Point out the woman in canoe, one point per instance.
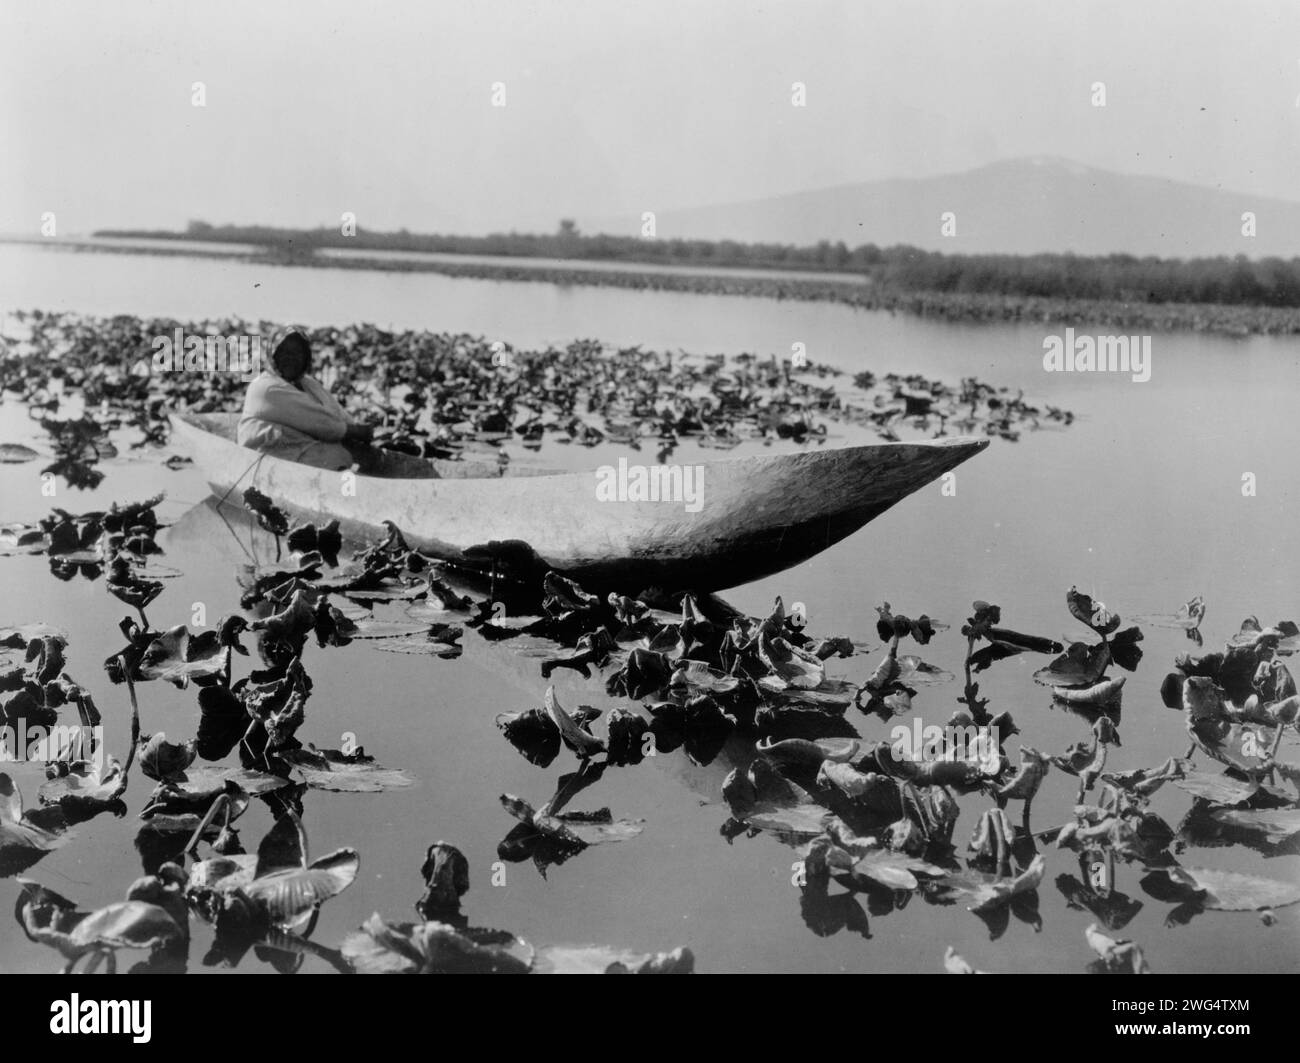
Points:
(289, 414)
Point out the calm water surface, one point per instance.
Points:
(1140, 503)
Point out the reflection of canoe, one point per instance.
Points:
(756, 515)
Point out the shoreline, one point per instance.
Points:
(1124, 316)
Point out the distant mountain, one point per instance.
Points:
(1019, 206)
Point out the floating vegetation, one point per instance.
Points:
(449, 397)
(869, 822)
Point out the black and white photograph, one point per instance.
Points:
(658, 487)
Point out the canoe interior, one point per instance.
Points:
(383, 464)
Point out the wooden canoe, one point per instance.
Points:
(758, 515)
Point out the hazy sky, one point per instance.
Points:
(384, 108)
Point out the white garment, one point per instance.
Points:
(303, 424)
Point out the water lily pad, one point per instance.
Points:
(126, 925)
(329, 769)
(1219, 789)
(1116, 956)
(85, 788)
(284, 897)
(1080, 665)
(16, 454)
(211, 779)
(601, 959)
(698, 675)
(1228, 891)
(380, 947)
(987, 892)
(577, 829)
(793, 666)
(23, 840)
(955, 964)
(1276, 824)
(576, 737)
(895, 871)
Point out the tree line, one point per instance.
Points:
(1119, 277)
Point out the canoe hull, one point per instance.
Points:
(756, 516)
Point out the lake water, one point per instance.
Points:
(1140, 502)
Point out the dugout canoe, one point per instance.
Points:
(757, 516)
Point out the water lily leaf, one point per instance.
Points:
(590, 828)
(179, 657)
(644, 673)
(160, 759)
(1106, 693)
(293, 623)
(808, 753)
(85, 788)
(432, 611)
(330, 769)
(126, 925)
(1283, 637)
(306, 537)
(795, 667)
(912, 671)
(379, 947)
(1276, 824)
(1187, 618)
(871, 790)
(576, 829)
(535, 735)
(1231, 743)
(1146, 781)
(285, 897)
(48, 918)
(432, 644)
(895, 871)
(23, 840)
(601, 959)
(987, 893)
(698, 675)
(17, 540)
(372, 628)
(16, 454)
(1228, 891)
(954, 964)
(765, 799)
(1124, 648)
(1116, 956)
(223, 873)
(15, 640)
(834, 695)
(1079, 666)
(269, 516)
(1218, 789)
(577, 738)
(1094, 614)
(890, 624)
(835, 646)
(1028, 778)
(207, 781)
(1019, 642)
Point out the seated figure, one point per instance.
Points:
(289, 414)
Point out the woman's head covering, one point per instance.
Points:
(278, 339)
